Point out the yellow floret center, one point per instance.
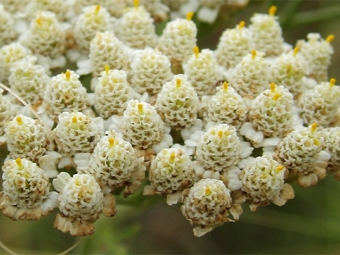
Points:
(19, 120)
(19, 163)
(253, 54)
(220, 133)
(316, 142)
(172, 157)
(314, 126)
(178, 83)
(107, 69)
(332, 82)
(272, 10)
(276, 96)
(135, 3)
(196, 51)
(140, 108)
(330, 38)
(39, 21)
(111, 142)
(225, 86)
(241, 25)
(74, 119)
(97, 9)
(296, 50)
(68, 75)
(189, 15)
(207, 191)
(279, 168)
(272, 87)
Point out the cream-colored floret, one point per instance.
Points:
(136, 28)
(177, 103)
(7, 112)
(271, 111)
(250, 77)
(26, 138)
(111, 94)
(28, 80)
(267, 33)
(115, 164)
(45, 35)
(178, 40)
(233, 45)
(219, 148)
(106, 49)
(317, 52)
(59, 7)
(150, 70)
(76, 132)
(7, 31)
(65, 93)
(93, 19)
(320, 104)
(226, 106)
(26, 191)
(263, 182)
(202, 70)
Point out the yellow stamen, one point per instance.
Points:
(107, 69)
(272, 87)
(140, 108)
(225, 86)
(111, 142)
(220, 133)
(296, 50)
(19, 163)
(289, 68)
(279, 168)
(74, 119)
(272, 10)
(178, 82)
(196, 51)
(172, 157)
(68, 75)
(330, 38)
(332, 82)
(316, 142)
(97, 9)
(19, 120)
(276, 96)
(314, 127)
(135, 3)
(241, 25)
(189, 15)
(253, 54)
(38, 21)
(207, 191)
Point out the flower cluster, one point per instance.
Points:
(138, 104)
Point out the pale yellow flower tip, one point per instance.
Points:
(68, 75)
(253, 54)
(225, 86)
(330, 38)
(272, 87)
(189, 15)
(135, 3)
(178, 82)
(97, 9)
(39, 21)
(332, 81)
(296, 50)
(111, 141)
(241, 25)
(207, 191)
(140, 108)
(272, 10)
(314, 126)
(74, 119)
(196, 51)
(19, 163)
(19, 120)
(107, 69)
(172, 157)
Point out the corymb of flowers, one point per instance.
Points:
(134, 113)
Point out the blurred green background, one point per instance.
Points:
(308, 224)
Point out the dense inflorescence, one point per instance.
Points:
(136, 110)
